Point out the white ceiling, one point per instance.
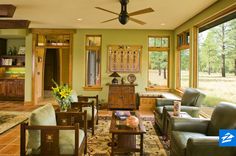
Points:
(168, 14)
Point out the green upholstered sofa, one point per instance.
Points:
(199, 137)
(43, 136)
(190, 103)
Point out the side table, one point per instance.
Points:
(167, 121)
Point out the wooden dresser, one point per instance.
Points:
(121, 96)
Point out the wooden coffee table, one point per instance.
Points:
(126, 136)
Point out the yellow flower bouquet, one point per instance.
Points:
(62, 94)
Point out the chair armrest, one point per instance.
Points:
(165, 102)
(208, 145)
(190, 125)
(191, 110)
(71, 118)
(80, 104)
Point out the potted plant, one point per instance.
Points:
(62, 94)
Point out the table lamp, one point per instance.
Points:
(114, 80)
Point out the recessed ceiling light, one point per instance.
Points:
(79, 19)
(163, 24)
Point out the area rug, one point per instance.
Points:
(10, 119)
(98, 144)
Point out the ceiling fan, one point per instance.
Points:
(124, 16)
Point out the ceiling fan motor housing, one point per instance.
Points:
(124, 17)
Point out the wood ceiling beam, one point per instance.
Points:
(7, 10)
(14, 24)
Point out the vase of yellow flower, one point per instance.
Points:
(62, 94)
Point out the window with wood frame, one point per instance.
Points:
(216, 72)
(158, 62)
(93, 62)
(183, 60)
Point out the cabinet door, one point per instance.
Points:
(2, 88)
(128, 97)
(20, 88)
(10, 88)
(114, 100)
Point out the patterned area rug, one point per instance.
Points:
(98, 144)
(10, 119)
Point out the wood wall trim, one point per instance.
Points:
(218, 15)
(14, 24)
(52, 31)
(7, 10)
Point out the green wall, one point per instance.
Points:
(115, 37)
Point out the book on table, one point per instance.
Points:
(122, 115)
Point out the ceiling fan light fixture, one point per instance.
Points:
(123, 19)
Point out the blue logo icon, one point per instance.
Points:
(227, 137)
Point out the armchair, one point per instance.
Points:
(87, 103)
(190, 103)
(199, 137)
(44, 135)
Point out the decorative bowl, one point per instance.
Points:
(132, 121)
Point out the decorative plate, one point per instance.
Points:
(131, 78)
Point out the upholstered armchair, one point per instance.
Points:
(44, 135)
(190, 103)
(199, 137)
(90, 104)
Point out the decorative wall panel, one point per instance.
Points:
(124, 58)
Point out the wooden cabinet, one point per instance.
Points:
(121, 96)
(12, 89)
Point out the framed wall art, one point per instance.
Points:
(124, 58)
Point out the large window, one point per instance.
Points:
(217, 62)
(93, 61)
(158, 62)
(183, 60)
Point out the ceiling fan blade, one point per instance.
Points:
(143, 11)
(107, 10)
(109, 20)
(137, 21)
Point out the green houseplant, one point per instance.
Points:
(62, 94)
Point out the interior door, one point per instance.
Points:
(51, 68)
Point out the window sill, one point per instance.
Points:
(179, 91)
(157, 89)
(92, 88)
(183, 47)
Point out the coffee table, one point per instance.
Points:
(126, 136)
(167, 122)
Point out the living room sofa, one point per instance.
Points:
(199, 137)
(190, 103)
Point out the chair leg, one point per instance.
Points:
(93, 129)
(97, 120)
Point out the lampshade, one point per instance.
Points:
(114, 74)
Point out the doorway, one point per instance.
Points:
(51, 70)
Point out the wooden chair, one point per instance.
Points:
(87, 103)
(49, 138)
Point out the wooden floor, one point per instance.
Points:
(10, 140)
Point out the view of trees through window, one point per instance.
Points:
(217, 63)
(184, 68)
(158, 68)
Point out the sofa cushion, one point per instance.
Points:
(192, 97)
(223, 117)
(89, 112)
(67, 141)
(74, 97)
(180, 139)
(44, 115)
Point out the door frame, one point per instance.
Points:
(36, 59)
